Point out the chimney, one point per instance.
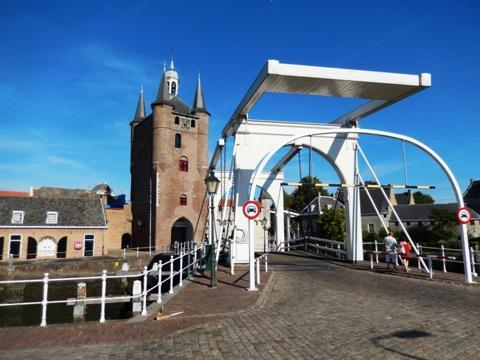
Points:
(411, 199)
(30, 192)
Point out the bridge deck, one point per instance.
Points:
(309, 309)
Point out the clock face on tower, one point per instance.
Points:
(185, 123)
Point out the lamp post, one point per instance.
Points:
(212, 186)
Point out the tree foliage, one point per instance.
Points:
(305, 193)
(421, 198)
(331, 224)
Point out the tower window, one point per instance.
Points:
(192, 123)
(183, 164)
(183, 200)
(177, 120)
(178, 141)
(174, 88)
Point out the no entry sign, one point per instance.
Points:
(251, 209)
(464, 215)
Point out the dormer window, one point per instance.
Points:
(17, 217)
(52, 217)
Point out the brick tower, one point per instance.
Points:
(169, 154)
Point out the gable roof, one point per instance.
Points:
(422, 212)
(312, 207)
(71, 212)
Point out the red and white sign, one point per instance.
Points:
(464, 215)
(251, 209)
(78, 245)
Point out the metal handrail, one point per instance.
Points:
(157, 269)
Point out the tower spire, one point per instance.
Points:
(199, 100)
(140, 112)
(163, 96)
(172, 65)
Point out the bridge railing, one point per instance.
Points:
(315, 244)
(441, 254)
(188, 262)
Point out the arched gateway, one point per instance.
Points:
(256, 141)
(182, 231)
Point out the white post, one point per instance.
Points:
(102, 299)
(144, 307)
(266, 263)
(181, 269)
(124, 253)
(137, 252)
(171, 275)
(472, 257)
(159, 297)
(444, 262)
(251, 257)
(376, 252)
(195, 265)
(430, 267)
(44, 300)
(371, 261)
(232, 255)
(419, 247)
(258, 270)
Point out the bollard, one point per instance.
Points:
(266, 263)
(258, 270)
(136, 293)
(376, 252)
(181, 269)
(430, 267)
(171, 275)
(44, 300)
(137, 252)
(419, 247)
(159, 297)
(472, 260)
(80, 305)
(124, 253)
(144, 307)
(371, 261)
(396, 257)
(102, 299)
(444, 262)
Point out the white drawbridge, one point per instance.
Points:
(256, 141)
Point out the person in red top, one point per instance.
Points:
(404, 250)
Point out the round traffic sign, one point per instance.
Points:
(464, 215)
(251, 209)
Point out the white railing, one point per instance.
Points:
(443, 254)
(310, 243)
(258, 264)
(188, 262)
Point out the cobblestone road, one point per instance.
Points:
(314, 309)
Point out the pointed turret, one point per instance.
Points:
(140, 112)
(199, 100)
(163, 97)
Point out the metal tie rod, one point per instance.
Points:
(370, 186)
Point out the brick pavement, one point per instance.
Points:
(312, 309)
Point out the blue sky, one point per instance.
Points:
(70, 73)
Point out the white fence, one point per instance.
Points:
(188, 262)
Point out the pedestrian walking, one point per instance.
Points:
(404, 250)
(390, 248)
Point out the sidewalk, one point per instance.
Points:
(195, 304)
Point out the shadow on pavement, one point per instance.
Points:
(404, 334)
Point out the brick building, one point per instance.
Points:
(169, 154)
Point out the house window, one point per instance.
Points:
(472, 222)
(396, 223)
(17, 217)
(15, 245)
(371, 228)
(178, 141)
(52, 217)
(183, 200)
(183, 164)
(177, 120)
(192, 123)
(408, 223)
(88, 245)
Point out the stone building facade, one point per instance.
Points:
(169, 155)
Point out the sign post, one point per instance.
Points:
(251, 210)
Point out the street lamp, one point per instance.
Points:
(212, 186)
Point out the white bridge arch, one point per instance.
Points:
(256, 141)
